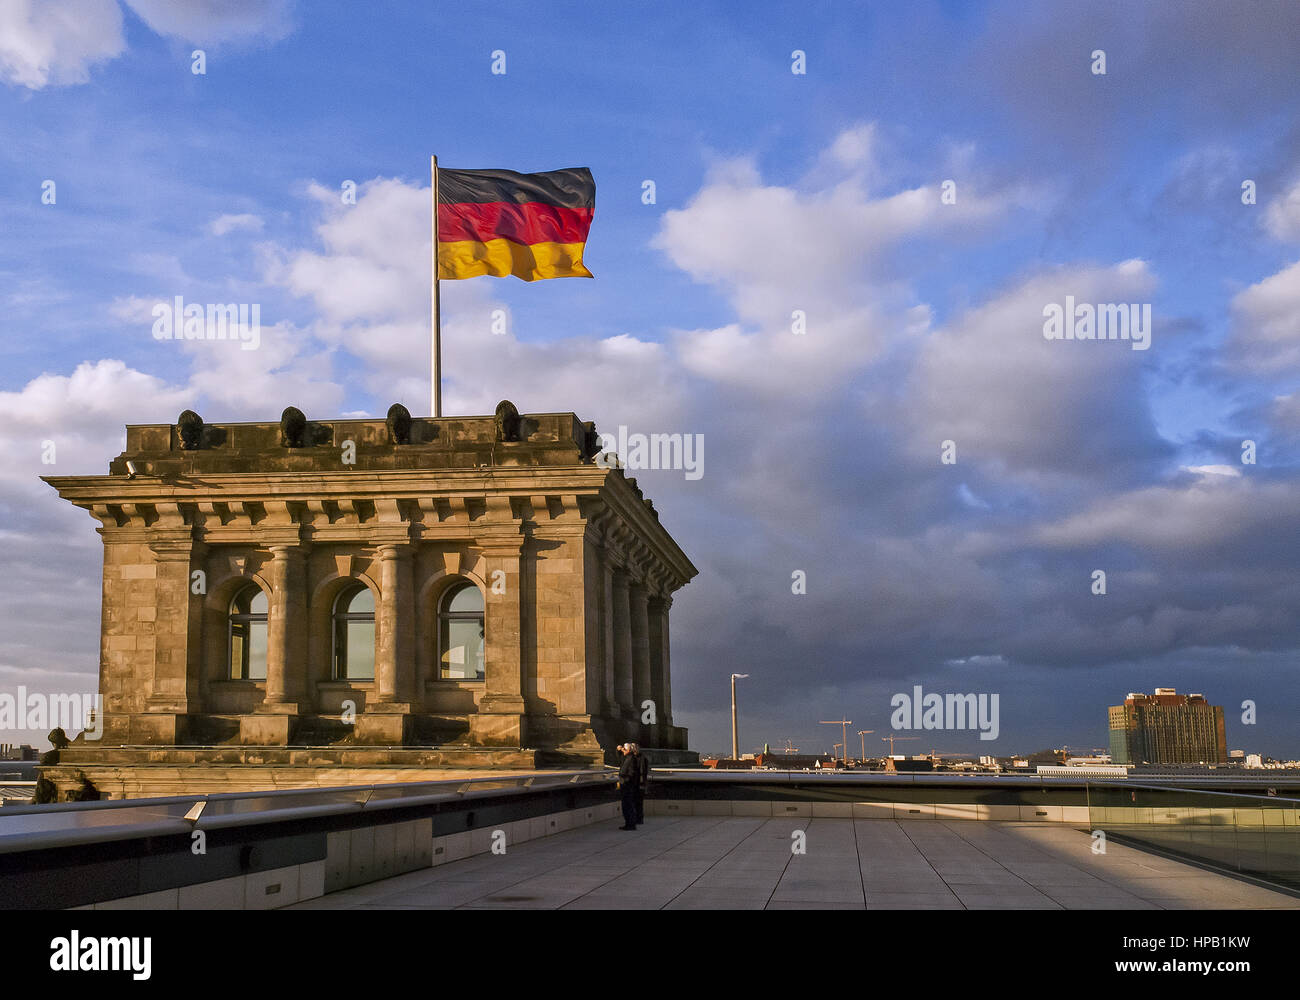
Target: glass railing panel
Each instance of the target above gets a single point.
(1258, 835)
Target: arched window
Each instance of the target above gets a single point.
(460, 633)
(248, 634)
(354, 634)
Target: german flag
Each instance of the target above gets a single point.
(501, 222)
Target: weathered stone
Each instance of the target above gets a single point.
(574, 572)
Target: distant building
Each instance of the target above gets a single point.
(795, 761)
(1254, 760)
(1083, 770)
(1167, 728)
(1093, 760)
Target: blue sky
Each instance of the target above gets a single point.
(775, 192)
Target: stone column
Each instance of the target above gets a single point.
(610, 686)
(390, 648)
(274, 721)
(387, 719)
(600, 694)
(659, 686)
(622, 619)
(638, 598)
(279, 625)
(166, 625)
(501, 716)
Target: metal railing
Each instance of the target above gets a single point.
(65, 824)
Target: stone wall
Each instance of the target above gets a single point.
(576, 572)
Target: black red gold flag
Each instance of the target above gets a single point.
(501, 222)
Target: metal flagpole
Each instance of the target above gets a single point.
(436, 370)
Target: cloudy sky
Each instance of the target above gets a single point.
(775, 192)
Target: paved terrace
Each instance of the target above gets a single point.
(703, 862)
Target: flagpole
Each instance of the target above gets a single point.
(435, 373)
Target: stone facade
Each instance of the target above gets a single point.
(575, 571)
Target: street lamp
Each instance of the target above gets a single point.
(735, 733)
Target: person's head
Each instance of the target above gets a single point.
(633, 748)
(623, 748)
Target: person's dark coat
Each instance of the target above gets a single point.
(643, 779)
(629, 772)
(629, 783)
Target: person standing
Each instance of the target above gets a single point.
(643, 779)
(629, 780)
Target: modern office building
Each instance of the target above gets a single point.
(1167, 728)
(415, 594)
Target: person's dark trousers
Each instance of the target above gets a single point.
(629, 805)
(643, 778)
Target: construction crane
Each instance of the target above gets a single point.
(845, 723)
(891, 738)
(863, 734)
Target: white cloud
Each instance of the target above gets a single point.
(83, 414)
(1211, 511)
(1265, 336)
(57, 42)
(286, 368)
(208, 22)
(822, 252)
(135, 308)
(1015, 402)
(224, 224)
(767, 245)
(1282, 217)
(1213, 470)
(45, 42)
(375, 266)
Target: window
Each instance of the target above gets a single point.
(460, 633)
(248, 634)
(354, 634)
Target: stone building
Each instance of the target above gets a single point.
(324, 599)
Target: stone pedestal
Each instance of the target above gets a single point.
(385, 724)
(268, 727)
(156, 729)
(501, 721)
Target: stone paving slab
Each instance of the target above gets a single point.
(743, 862)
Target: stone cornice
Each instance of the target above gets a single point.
(394, 506)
